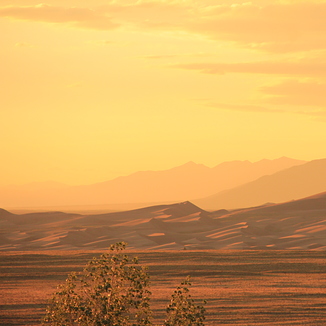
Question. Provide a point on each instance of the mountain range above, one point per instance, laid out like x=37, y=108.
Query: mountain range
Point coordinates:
x=190, y=181
x=292, y=183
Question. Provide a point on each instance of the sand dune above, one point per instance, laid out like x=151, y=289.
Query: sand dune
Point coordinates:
x=299, y=224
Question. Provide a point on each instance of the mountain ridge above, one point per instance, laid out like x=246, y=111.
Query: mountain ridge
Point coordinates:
x=291, y=183
x=190, y=180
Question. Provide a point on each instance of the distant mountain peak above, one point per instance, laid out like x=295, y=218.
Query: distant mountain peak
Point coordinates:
x=189, y=181
x=291, y=182
x=191, y=165
x=289, y=159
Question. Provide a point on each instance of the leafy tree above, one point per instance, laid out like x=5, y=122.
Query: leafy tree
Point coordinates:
x=113, y=290
x=182, y=310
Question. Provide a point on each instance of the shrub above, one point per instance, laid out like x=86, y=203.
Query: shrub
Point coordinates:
x=113, y=290
x=182, y=310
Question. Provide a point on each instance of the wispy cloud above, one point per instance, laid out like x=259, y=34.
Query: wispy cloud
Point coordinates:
x=319, y=114
x=79, y=17
x=263, y=25
x=304, y=67
x=297, y=93
x=169, y=56
x=153, y=14
x=243, y=107
x=308, y=110
x=275, y=27
x=268, y=26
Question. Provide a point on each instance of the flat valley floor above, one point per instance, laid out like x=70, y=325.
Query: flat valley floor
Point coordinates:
x=241, y=287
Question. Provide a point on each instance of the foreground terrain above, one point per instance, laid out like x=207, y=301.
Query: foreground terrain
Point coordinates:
x=241, y=287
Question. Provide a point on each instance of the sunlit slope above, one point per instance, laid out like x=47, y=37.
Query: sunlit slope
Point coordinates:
x=181, y=183
x=141, y=228
x=297, y=224
x=293, y=183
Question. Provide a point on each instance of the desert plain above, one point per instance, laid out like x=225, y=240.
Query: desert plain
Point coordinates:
x=241, y=287
x=165, y=124
x=262, y=265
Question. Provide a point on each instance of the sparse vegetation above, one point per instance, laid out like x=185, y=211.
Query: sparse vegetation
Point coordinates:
x=241, y=287
x=113, y=290
x=182, y=310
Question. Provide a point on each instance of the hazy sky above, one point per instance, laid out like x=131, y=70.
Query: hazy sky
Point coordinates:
x=94, y=89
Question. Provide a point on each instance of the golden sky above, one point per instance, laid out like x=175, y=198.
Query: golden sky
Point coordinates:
x=94, y=89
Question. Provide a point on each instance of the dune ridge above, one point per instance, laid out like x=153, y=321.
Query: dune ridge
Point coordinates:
x=299, y=224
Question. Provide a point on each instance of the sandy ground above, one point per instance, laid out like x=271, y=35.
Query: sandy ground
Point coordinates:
x=255, y=266
x=241, y=287
x=294, y=225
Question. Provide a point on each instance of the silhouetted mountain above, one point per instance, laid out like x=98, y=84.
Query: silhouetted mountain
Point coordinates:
x=181, y=183
x=292, y=183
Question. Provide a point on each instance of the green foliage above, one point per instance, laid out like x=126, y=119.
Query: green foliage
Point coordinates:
x=182, y=310
x=112, y=290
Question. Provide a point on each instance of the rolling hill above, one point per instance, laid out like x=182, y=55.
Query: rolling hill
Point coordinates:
x=299, y=224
